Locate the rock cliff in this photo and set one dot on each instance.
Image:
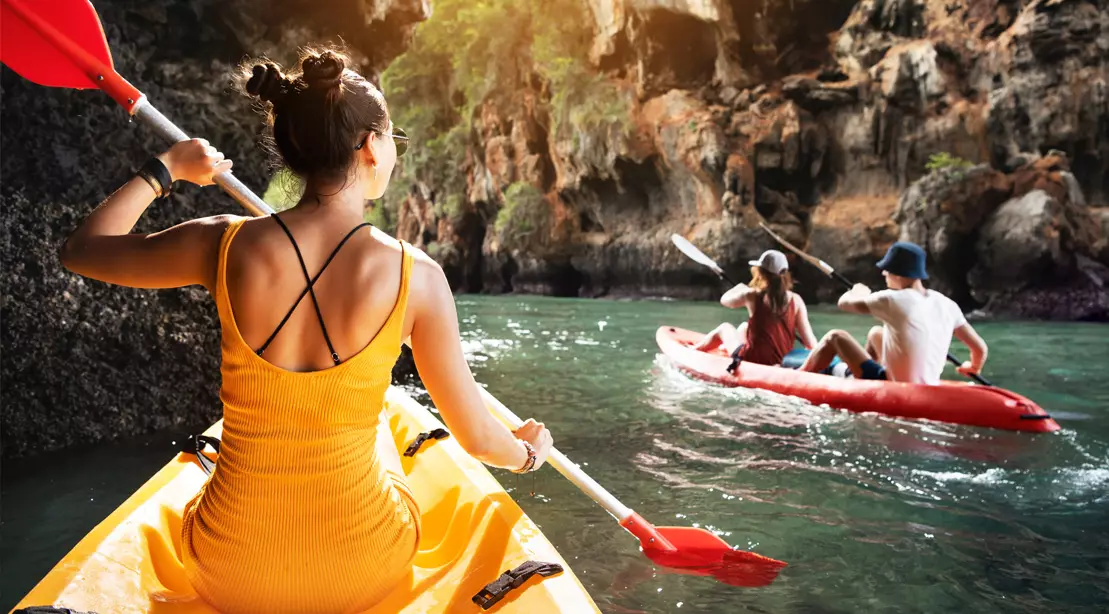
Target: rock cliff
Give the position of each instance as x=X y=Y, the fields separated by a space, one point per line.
x=820 y=117
x=83 y=361
x=559 y=147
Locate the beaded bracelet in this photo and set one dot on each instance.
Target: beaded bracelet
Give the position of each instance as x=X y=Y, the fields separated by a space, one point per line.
x=529 y=464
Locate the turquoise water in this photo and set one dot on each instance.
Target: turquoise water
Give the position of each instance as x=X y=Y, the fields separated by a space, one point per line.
x=873 y=514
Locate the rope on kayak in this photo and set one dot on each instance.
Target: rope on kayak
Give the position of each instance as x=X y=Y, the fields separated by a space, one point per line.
x=194 y=444
x=513 y=579
x=414 y=447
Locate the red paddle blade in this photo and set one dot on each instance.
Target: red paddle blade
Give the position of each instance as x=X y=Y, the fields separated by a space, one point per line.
x=60 y=43
x=701 y=552
x=689 y=550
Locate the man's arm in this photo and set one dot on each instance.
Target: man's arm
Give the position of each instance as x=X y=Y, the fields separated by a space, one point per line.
x=978 y=349
x=855 y=300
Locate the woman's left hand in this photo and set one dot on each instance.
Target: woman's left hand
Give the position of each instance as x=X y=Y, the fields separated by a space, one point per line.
x=194 y=161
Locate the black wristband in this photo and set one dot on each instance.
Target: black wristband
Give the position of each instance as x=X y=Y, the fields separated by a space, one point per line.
x=151 y=181
x=156 y=169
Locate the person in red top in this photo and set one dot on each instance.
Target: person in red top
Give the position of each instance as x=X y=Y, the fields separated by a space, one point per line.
x=777 y=315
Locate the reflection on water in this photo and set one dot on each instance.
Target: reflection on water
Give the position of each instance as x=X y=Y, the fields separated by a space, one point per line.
x=873 y=513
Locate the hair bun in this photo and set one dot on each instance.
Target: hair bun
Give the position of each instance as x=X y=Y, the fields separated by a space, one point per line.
x=267 y=83
x=324 y=70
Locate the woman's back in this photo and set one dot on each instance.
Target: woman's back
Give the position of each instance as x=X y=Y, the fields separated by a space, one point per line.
x=770 y=333
x=300 y=479
x=356 y=291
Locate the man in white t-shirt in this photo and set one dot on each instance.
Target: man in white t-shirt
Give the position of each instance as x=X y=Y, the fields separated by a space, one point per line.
x=918 y=325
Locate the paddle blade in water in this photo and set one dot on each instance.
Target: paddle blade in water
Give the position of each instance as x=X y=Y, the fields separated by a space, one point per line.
x=60 y=43
x=701 y=552
x=689 y=550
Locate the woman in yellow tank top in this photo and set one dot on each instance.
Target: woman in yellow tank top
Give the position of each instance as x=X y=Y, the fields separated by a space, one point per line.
x=308 y=510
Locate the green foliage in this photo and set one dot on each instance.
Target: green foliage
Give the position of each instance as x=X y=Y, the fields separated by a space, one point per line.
x=451 y=207
x=581 y=99
x=944 y=160
x=472 y=52
x=524 y=215
x=457 y=58
x=284 y=190
x=381 y=216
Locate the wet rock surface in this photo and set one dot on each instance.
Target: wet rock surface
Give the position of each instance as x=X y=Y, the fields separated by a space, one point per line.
x=83 y=361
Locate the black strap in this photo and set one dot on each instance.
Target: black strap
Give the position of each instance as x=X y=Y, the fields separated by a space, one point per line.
x=737 y=357
x=194 y=444
x=155 y=169
x=309 y=290
x=414 y=447
x=511 y=579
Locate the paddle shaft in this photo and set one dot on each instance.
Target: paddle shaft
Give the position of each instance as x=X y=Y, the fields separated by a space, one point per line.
x=169 y=132
x=727 y=279
x=564 y=465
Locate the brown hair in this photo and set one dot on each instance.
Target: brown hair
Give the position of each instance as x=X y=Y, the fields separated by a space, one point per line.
x=317 y=113
x=774 y=287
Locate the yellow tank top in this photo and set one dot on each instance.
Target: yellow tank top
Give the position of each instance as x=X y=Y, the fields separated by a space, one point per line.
x=299 y=514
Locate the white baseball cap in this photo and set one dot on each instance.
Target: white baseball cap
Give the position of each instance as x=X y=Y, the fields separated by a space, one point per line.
x=771 y=261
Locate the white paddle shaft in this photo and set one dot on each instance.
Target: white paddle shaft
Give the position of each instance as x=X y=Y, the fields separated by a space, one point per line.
x=172 y=134
x=563 y=465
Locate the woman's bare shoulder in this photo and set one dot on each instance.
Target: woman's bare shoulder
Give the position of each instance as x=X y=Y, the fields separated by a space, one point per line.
x=426 y=273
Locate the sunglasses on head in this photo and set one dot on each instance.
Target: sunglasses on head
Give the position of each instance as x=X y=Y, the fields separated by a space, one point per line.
x=400 y=138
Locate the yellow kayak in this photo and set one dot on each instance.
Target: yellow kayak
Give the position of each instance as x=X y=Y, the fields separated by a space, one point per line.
x=473 y=532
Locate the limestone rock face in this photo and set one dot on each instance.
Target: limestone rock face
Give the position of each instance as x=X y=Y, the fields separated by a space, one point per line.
x=1009 y=241
x=818 y=117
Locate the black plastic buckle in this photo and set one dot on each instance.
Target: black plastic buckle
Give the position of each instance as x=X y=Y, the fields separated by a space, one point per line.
x=511 y=579
x=194 y=444
x=736 y=359
x=414 y=447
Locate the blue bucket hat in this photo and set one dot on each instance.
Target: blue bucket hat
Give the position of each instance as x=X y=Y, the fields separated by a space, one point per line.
x=904 y=259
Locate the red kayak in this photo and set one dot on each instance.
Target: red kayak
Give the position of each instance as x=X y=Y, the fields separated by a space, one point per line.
x=957 y=402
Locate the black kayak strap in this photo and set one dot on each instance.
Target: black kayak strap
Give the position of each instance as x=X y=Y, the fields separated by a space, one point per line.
x=424 y=437
x=511 y=580
x=194 y=444
x=737 y=357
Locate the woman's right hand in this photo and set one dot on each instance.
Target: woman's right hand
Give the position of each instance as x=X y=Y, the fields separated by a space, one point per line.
x=195 y=161
x=539 y=437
